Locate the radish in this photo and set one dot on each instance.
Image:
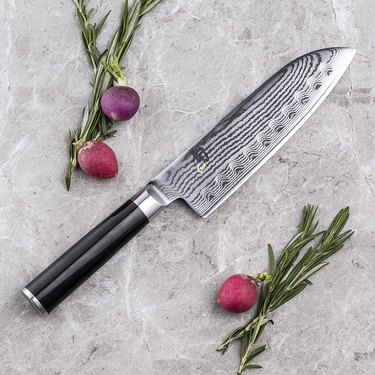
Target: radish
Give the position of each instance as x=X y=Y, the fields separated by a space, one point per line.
x=97 y=159
x=238 y=293
x=120 y=102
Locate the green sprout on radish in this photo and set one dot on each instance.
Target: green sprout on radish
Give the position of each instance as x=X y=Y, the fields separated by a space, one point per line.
x=116 y=71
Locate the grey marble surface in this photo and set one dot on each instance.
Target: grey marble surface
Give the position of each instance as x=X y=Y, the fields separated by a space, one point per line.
x=152 y=310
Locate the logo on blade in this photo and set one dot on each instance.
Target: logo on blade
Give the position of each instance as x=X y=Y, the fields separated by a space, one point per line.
x=201 y=167
x=201 y=156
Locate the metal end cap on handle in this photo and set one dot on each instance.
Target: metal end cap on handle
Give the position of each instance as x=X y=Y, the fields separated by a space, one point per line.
x=34 y=301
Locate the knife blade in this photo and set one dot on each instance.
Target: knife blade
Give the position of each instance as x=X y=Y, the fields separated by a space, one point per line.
x=206 y=174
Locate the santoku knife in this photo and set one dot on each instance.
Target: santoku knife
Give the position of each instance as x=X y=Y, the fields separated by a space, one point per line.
x=207 y=173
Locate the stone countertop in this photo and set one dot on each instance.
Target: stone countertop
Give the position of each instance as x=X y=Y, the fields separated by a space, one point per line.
x=151 y=309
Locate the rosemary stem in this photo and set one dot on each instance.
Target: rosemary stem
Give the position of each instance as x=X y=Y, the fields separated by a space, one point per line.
x=250 y=346
x=224 y=346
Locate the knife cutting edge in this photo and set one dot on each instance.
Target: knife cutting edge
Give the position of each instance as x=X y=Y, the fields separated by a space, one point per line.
x=206 y=174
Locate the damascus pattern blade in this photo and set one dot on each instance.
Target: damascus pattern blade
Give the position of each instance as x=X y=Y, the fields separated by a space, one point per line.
x=223 y=159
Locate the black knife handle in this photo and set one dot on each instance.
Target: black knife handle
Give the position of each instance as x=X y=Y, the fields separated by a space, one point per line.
x=85 y=257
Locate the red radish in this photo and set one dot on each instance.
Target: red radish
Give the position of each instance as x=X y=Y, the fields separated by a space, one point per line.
x=239 y=293
x=120 y=103
x=97 y=159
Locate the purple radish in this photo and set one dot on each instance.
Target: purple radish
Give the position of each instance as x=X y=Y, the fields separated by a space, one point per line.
x=120 y=103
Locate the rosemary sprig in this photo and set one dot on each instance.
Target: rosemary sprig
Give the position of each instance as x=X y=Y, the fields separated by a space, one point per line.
x=289 y=277
x=94 y=125
x=90 y=32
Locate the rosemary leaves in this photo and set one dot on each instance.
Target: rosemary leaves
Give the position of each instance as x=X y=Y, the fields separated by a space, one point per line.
x=289 y=277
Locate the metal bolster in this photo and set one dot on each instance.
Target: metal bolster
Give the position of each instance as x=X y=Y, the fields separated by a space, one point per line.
x=150 y=200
